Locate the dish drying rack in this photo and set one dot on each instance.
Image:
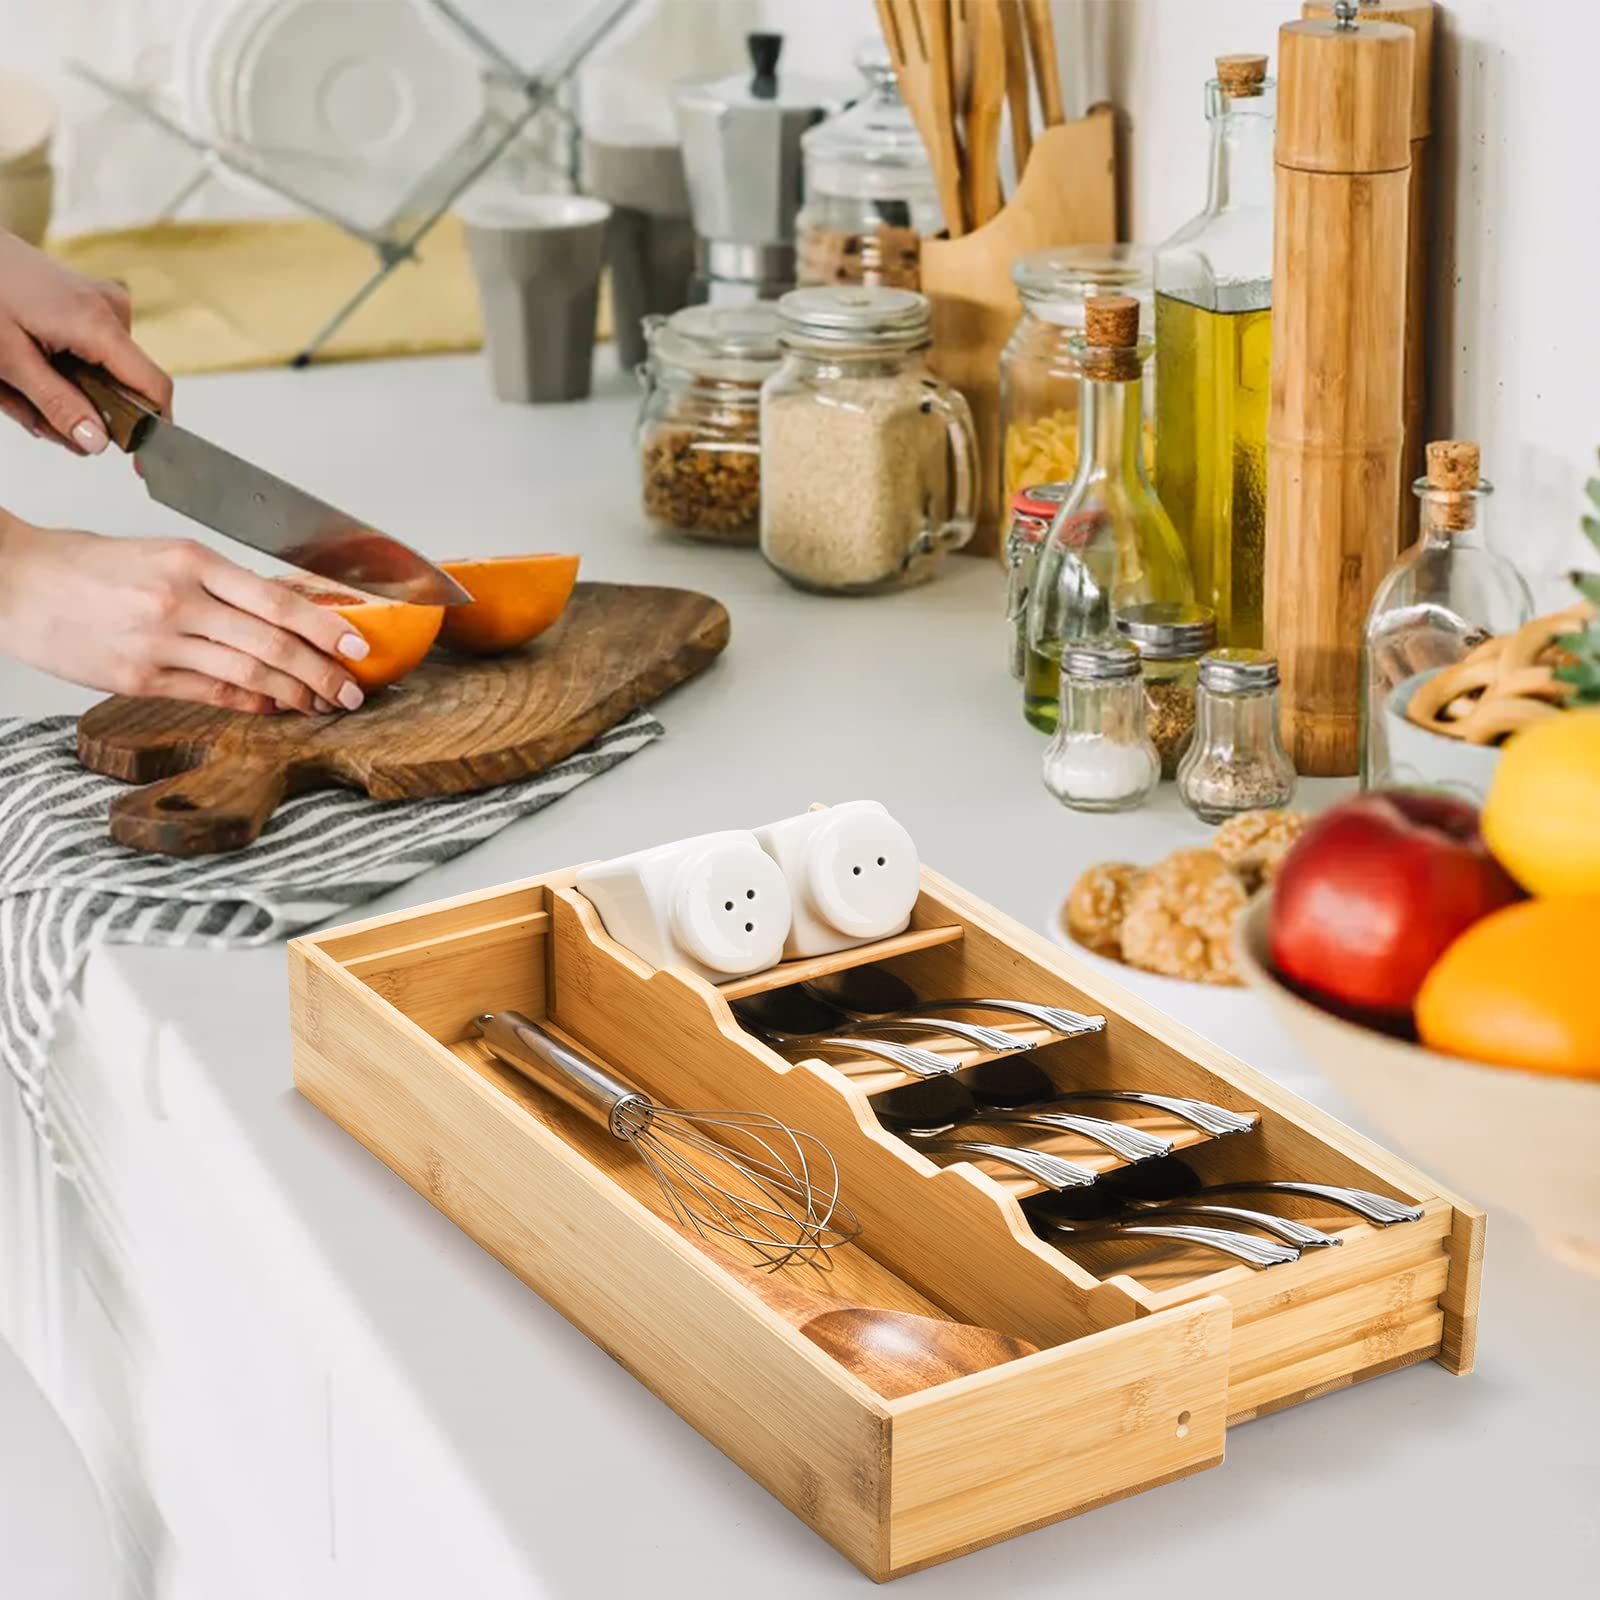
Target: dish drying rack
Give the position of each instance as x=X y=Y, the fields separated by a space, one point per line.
x=513 y=97
x=1145 y=1357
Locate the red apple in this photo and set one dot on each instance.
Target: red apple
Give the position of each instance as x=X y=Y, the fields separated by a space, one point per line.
x=1374 y=890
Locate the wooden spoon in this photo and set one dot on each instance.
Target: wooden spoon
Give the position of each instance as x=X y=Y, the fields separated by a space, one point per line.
x=894 y=1353
x=1018 y=95
x=918 y=36
x=985 y=101
x=1046 y=67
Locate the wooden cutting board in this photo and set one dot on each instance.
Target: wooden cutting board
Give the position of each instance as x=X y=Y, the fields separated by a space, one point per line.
x=454 y=725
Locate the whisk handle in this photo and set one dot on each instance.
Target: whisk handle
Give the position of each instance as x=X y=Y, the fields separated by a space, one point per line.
x=566 y=1071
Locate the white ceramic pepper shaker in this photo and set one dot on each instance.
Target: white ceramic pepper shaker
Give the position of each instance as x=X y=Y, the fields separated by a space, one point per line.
x=1101 y=758
x=1236 y=760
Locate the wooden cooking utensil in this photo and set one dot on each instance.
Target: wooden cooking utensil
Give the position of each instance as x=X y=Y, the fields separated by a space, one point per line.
x=893 y=1352
x=1018 y=92
x=924 y=81
x=1334 y=426
x=985 y=101
x=451 y=727
x=1046 y=68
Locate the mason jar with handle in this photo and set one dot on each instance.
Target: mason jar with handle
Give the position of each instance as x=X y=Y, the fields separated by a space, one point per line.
x=869 y=462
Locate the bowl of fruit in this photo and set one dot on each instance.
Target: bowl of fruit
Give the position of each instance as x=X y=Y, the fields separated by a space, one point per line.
x=1440 y=965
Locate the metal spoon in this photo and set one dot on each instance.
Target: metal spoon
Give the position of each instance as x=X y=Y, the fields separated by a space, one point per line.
x=1104 y=1203
x=791 y=1016
x=870 y=994
x=1175 y=1179
x=911 y=1110
x=1012 y=1085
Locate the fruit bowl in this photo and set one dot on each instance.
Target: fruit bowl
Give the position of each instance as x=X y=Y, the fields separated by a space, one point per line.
x=1420 y=758
x=1522 y=1142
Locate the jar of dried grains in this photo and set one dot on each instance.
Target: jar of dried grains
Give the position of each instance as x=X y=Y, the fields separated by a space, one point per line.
x=700 y=425
x=870 y=464
x=1170 y=640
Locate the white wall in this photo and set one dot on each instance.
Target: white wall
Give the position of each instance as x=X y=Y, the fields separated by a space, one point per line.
x=1517 y=231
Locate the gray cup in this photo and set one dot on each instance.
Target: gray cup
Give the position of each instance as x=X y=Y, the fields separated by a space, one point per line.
x=537 y=258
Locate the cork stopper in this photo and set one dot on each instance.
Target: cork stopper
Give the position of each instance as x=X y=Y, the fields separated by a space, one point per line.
x=1241 y=77
x=1111 y=321
x=1451 y=499
x=1453 y=464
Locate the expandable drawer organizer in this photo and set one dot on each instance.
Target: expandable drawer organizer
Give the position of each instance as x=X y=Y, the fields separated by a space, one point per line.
x=1145 y=1356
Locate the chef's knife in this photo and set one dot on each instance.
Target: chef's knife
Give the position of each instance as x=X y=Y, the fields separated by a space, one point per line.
x=213 y=487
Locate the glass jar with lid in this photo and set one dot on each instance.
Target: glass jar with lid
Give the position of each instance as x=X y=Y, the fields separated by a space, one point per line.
x=700 y=423
x=870 y=194
x=1170 y=640
x=1101 y=757
x=1032 y=511
x=1039 y=369
x=1236 y=760
x=869 y=464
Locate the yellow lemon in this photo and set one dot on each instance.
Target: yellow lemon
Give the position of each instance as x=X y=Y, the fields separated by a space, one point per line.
x=1542 y=817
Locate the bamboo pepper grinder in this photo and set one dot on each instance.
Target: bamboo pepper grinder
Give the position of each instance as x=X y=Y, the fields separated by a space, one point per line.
x=1334 y=424
x=1418 y=16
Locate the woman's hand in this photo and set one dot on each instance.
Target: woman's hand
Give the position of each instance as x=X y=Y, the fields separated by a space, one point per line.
x=45 y=308
x=168 y=618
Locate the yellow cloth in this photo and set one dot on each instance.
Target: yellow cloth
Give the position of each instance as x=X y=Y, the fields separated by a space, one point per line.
x=219 y=296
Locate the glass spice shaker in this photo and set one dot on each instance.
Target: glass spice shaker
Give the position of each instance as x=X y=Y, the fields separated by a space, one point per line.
x=1100 y=757
x=1236 y=760
x=1032 y=511
x=1170 y=639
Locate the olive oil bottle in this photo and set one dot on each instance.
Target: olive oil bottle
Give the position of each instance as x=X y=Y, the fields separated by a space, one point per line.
x=1214 y=357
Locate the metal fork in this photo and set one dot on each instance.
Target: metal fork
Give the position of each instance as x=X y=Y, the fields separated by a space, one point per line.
x=922 y=1063
x=992 y=1040
x=1285 y=1228
x=1377 y=1209
x=1054 y=1172
x=1132 y=1144
x=1242 y=1246
x=1202 y=1114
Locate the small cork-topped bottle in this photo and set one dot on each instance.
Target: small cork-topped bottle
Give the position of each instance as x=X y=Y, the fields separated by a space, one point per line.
x=1441 y=600
x=1111 y=545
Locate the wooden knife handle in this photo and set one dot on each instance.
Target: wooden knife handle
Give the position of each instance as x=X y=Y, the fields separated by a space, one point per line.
x=221 y=805
x=124 y=411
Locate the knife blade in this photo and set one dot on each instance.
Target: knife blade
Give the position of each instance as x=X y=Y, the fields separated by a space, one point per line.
x=235 y=498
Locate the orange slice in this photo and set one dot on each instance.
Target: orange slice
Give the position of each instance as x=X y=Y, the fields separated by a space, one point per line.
x=514 y=599
x=398 y=635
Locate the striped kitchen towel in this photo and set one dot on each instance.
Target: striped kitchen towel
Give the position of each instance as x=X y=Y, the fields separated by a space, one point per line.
x=65 y=887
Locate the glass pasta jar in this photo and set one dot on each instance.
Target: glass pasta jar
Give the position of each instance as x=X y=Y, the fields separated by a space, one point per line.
x=870 y=193
x=1170 y=640
x=1038 y=370
x=869 y=462
x=1100 y=757
x=700 y=424
x=1236 y=760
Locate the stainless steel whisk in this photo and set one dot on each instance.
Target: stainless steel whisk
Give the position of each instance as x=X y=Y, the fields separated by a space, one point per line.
x=769 y=1194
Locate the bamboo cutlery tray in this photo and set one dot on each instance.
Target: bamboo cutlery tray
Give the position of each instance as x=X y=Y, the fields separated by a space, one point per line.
x=1145 y=1356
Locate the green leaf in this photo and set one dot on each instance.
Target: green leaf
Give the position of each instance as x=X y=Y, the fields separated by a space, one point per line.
x=1591 y=526
x=1588 y=585
x=1592 y=489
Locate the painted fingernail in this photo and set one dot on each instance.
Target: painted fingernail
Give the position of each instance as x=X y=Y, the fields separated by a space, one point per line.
x=350 y=697
x=354 y=648
x=324 y=706
x=90 y=436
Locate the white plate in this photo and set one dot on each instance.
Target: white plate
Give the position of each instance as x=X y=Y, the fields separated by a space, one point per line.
x=355 y=82
x=211 y=43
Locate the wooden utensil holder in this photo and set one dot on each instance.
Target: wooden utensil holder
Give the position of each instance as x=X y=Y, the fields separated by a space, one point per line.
x=1144 y=1357
x=1068 y=195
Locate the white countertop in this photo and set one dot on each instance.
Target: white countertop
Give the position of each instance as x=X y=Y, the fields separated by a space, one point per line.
x=510 y=1448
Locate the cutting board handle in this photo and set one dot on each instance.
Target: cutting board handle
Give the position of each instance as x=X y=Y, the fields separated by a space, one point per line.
x=220 y=805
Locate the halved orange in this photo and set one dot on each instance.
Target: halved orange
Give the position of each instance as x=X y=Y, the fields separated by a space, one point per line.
x=398 y=635
x=514 y=599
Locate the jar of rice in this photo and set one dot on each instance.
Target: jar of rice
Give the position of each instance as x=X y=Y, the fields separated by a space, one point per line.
x=869 y=462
